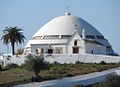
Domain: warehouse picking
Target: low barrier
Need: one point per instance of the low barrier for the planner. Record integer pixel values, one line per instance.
(86, 58)
(63, 58)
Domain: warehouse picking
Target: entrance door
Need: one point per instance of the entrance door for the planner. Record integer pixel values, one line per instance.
(75, 50)
(50, 51)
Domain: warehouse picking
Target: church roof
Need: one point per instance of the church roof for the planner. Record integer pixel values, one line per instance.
(47, 41)
(66, 25)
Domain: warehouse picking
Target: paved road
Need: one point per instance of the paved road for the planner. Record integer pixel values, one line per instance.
(33, 84)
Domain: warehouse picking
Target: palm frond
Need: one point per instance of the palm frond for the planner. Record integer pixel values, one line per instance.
(13, 35)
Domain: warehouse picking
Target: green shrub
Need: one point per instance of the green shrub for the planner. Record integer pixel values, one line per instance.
(0, 68)
(103, 62)
(12, 65)
(36, 64)
(78, 62)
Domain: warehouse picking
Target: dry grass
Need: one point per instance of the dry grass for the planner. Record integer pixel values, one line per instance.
(20, 75)
(14, 76)
(67, 70)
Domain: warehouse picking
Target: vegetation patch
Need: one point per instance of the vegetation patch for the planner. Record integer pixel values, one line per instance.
(111, 81)
(18, 75)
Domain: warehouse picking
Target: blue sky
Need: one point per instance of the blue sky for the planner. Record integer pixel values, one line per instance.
(30, 15)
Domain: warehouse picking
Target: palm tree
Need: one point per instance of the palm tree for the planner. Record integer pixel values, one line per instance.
(13, 35)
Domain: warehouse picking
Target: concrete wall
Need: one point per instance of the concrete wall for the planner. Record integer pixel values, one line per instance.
(86, 58)
(12, 59)
(63, 58)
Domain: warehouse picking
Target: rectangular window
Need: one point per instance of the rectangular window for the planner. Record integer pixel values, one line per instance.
(50, 51)
(75, 50)
(75, 42)
(59, 50)
(42, 51)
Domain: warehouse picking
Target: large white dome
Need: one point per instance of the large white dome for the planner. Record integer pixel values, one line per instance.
(66, 25)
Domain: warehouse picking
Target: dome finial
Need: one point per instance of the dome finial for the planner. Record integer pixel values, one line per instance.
(67, 10)
(67, 13)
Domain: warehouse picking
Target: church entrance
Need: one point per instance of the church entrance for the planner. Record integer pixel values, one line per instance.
(75, 50)
(50, 51)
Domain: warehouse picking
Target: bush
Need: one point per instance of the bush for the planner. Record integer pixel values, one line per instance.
(36, 79)
(0, 68)
(103, 62)
(36, 64)
(78, 62)
(12, 65)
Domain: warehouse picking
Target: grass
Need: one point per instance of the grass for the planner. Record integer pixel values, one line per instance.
(14, 76)
(67, 70)
(111, 81)
(20, 75)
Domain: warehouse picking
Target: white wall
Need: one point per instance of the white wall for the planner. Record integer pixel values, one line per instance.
(80, 44)
(46, 47)
(20, 59)
(63, 47)
(97, 49)
(86, 58)
(35, 46)
(64, 58)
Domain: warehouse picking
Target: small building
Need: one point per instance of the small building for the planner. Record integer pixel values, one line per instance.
(68, 34)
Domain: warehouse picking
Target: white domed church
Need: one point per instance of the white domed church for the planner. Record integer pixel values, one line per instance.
(68, 34)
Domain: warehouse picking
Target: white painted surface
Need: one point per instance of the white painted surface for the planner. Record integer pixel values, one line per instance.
(85, 58)
(20, 59)
(63, 48)
(65, 25)
(80, 43)
(64, 58)
(96, 48)
(46, 41)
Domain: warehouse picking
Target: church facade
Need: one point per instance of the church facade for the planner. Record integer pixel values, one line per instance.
(68, 34)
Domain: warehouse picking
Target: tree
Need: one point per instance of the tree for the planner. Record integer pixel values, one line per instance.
(13, 35)
(36, 64)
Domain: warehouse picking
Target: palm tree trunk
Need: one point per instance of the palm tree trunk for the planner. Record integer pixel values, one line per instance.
(13, 48)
